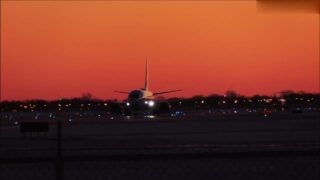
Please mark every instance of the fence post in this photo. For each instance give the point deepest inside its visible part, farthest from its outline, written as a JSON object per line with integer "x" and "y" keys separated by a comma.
{"x": 59, "y": 161}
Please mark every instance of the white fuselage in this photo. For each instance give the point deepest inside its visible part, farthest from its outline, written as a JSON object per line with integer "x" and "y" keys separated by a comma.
{"x": 143, "y": 99}
{"x": 140, "y": 99}
{"x": 140, "y": 94}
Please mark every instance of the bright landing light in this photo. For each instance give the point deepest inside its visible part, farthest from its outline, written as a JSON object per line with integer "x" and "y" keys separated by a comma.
{"x": 151, "y": 103}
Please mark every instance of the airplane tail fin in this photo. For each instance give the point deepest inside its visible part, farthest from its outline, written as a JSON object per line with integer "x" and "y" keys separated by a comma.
{"x": 146, "y": 77}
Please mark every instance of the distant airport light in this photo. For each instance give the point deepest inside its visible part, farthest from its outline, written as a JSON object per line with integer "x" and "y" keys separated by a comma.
{"x": 268, "y": 100}
{"x": 235, "y": 101}
{"x": 150, "y": 116}
{"x": 145, "y": 102}
{"x": 128, "y": 104}
{"x": 283, "y": 101}
{"x": 202, "y": 102}
{"x": 105, "y": 104}
{"x": 151, "y": 103}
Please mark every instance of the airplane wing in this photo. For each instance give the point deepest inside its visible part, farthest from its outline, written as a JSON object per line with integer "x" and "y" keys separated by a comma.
{"x": 122, "y": 92}
{"x": 165, "y": 92}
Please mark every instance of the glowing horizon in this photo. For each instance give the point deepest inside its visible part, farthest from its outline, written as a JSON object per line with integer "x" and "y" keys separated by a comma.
{"x": 64, "y": 49}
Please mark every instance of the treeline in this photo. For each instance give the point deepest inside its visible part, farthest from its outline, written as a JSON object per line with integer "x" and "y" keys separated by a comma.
{"x": 285, "y": 99}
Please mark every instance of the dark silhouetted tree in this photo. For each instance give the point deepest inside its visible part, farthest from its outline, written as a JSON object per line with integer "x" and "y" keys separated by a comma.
{"x": 232, "y": 94}
{"x": 86, "y": 96}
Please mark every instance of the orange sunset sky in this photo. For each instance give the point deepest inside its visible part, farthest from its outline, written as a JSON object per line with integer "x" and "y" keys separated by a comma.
{"x": 64, "y": 49}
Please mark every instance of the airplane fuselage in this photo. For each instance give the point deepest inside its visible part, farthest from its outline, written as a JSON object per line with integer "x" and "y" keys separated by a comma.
{"x": 143, "y": 99}
{"x": 140, "y": 99}
{"x": 139, "y": 94}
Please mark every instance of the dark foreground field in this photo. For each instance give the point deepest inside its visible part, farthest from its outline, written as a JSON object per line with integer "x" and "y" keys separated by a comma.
{"x": 279, "y": 146}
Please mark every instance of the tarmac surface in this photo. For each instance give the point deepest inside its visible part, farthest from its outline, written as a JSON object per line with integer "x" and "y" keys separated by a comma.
{"x": 250, "y": 146}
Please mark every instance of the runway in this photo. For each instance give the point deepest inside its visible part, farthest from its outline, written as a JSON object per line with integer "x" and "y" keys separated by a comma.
{"x": 278, "y": 146}
{"x": 160, "y": 134}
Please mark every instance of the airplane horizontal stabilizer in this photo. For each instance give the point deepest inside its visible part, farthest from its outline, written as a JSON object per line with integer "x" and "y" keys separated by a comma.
{"x": 165, "y": 92}
{"x": 122, "y": 92}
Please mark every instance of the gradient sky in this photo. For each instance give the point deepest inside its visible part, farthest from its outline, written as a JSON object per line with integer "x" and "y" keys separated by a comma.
{"x": 64, "y": 49}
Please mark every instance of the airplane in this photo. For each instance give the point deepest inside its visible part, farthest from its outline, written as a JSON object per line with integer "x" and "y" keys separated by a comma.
{"x": 144, "y": 99}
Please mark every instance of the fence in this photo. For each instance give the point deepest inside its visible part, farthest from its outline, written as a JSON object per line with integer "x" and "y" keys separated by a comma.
{"x": 290, "y": 161}
{"x": 215, "y": 165}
